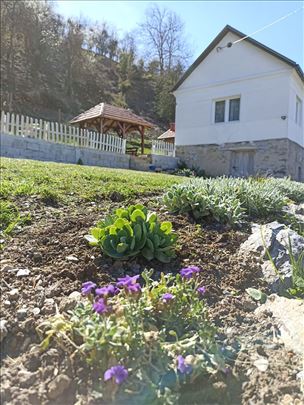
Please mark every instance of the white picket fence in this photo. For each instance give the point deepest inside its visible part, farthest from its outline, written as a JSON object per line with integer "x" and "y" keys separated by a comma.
{"x": 19, "y": 125}
{"x": 163, "y": 148}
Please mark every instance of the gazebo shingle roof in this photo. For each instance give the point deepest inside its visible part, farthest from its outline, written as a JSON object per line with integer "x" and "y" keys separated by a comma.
{"x": 111, "y": 112}
{"x": 167, "y": 135}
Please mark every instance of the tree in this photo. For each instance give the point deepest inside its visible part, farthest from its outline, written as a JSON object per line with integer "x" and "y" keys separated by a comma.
{"x": 163, "y": 35}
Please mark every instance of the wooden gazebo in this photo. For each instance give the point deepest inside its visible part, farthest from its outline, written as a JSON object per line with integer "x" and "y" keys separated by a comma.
{"x": 105, "y": 117}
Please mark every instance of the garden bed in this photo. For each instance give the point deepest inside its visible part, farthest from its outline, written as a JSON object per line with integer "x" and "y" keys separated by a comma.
{"x": 56, "y": 260}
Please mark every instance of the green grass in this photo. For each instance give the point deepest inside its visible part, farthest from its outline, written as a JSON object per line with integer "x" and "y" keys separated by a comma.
{"x": 55, "y": 183}
{"x": 65, "y": 182}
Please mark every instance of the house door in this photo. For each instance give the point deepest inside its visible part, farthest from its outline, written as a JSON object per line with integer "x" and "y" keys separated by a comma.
{"x": 242, "y": 163}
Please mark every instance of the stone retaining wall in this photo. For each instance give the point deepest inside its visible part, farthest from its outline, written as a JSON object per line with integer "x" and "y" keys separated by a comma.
{"x": 277, "y": 157}
{"x": 37, "y": 149}
{"x": 165, "y": 162}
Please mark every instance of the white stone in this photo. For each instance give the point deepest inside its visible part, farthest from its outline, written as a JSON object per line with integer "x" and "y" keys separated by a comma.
{"x": 72, "y": 258}
{"x": 3, "y": 329}
{"x": 289, "y": 314}
{"x": 23, "y": 272}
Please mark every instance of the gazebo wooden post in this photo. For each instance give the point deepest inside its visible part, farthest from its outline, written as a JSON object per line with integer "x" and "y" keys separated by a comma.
{"x": 142, "y": 132}
{"x": 101, "y": 126}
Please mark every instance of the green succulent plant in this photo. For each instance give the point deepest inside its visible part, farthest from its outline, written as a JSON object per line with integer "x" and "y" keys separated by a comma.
{"x": 132, "y": 231}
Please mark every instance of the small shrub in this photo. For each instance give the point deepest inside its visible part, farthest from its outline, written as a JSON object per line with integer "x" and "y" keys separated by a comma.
{"x": 225, "y": 200}
{"x": 185, "y": 170}
{"x": 134, "y": 231}
{"x": 143, "y": 342}
{"x": 291, "y": 189}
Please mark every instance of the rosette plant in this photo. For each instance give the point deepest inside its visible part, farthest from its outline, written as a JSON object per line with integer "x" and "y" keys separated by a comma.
{"x": 132, "y": 231}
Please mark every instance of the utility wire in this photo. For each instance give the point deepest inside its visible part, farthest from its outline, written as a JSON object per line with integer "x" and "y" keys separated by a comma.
{"x": 269, "y": 25}
{"x": 229, "y": 45}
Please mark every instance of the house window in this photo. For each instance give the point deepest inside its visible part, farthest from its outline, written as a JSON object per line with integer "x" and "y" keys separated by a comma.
{"x": 298, "y": 117}
{"x": 234, "y": 109}
{"x": 227, "y": 110}
{"x": 220, "y": 111}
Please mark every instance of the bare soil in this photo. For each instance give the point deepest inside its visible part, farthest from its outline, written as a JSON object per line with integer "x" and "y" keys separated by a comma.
{"x": 44, "y": 248}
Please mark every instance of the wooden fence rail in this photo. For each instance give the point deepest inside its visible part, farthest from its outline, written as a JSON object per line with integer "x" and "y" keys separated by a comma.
{"x": 20, "y": 125}
{"x": 163, "y": 148}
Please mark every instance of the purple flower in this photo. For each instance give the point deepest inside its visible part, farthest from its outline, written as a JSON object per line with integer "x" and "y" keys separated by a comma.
{"x": 201, "y": 290}
{"x": 167, "y": 297}
{"x": 87, "y": 287}
{"x": 107, "y": 291}
{"x": 100, "y": 306}
{"x": 126, "y": 281}
{"x": 133, "y": 288}
{"x": 120, "y": 373}
{"x": 189, "y": 272}
{"x": 130, "y": 284}
{"x": 182, "y": 366}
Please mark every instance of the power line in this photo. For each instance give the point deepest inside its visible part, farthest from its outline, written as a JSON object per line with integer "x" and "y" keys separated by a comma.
{"x": 229, "y": 45}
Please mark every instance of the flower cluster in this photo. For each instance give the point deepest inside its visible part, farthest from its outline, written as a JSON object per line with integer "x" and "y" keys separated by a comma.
{"x": 105, "y": 302}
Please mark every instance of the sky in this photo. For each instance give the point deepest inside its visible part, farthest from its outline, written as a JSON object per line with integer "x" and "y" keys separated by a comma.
{"x": 204, "y": 20}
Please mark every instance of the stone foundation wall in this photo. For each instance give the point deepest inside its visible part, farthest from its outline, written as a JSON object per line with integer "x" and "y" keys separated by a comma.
{"x": 37, "y": 149}
{"x": 277, "y": 157}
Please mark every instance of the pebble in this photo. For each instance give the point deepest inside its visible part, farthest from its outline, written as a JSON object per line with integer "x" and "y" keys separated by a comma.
{"x": 7, "y": 303}
{"x": 23, "y": 272}
{"x": 37, "y": 257}
{"x": 21, "y": 313}
{"x": 72, "y": 258}
{"x": 3, "y": 329}
{"x": 13, "y": 294}
{"x": 58, "y": 386}
{"x": 36, "y": 311}
{"x": 261, "y": 364}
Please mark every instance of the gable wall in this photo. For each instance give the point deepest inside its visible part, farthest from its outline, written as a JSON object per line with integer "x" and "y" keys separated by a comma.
{"x": 262, "y": 82}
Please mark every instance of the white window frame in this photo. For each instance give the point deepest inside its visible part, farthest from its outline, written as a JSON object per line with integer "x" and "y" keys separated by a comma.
{"x": 299, "y": 111}
{"x": 226, "y": 119}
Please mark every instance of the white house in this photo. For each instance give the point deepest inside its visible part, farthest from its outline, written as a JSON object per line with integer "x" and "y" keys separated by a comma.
{"x": 239, "y": 110}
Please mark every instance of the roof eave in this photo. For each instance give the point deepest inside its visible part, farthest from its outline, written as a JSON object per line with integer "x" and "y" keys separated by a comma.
{"x": 218, "y": 38}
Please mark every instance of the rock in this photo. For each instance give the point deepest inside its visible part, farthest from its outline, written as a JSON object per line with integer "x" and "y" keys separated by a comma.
{"x": 23, "y": 272}
{"x": 22, "y": 314}
{"x": 68, "y": 303}
{"x": 3, "y": 329}
{"x": 36, "y": 311}
{"x": 72, "y": 258}
{"x": 58, "y": 386}
{"x": 13, "y": 294}
{"x": 7, "y": 303}
{"x": 76, "y": 295}
{"x": 261, "y": 364}
{"x": 289, "y": 314}
{"x": 37, "y": 257}
{"x": 274, "y": 238}
{"x": 48, "y": 307}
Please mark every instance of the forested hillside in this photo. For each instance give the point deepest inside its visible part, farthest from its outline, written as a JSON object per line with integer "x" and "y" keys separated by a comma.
{"x": 54, "y": 68}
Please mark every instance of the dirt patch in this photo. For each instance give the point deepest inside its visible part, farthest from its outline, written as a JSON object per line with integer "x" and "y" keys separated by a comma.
{"x": 59, "y": 259}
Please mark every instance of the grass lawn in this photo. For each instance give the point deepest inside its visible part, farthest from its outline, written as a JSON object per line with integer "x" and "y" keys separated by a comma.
{"x": 67, "y": 183}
